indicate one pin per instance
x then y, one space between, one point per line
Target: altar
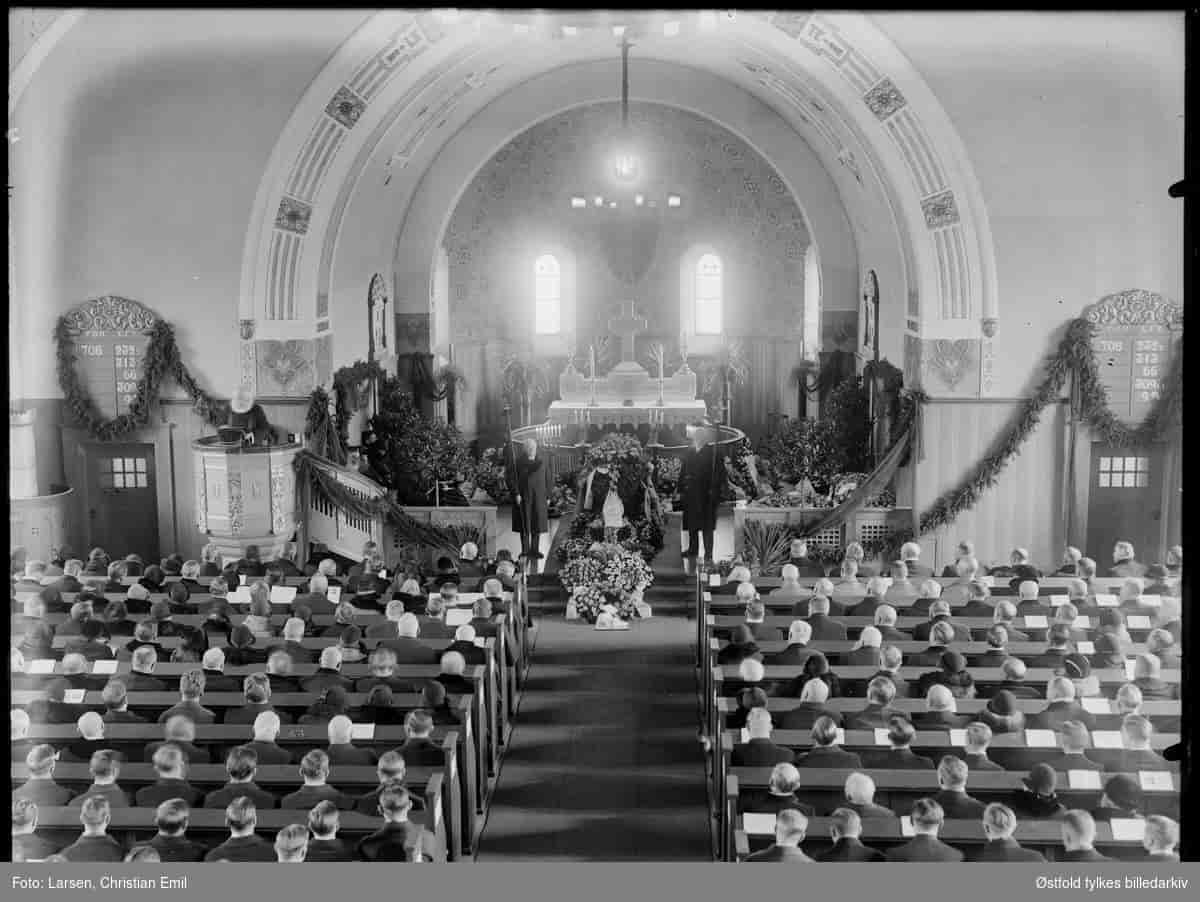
627 394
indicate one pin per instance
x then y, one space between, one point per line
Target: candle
662 356
591 361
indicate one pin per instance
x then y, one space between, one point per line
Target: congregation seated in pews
179 710
987 714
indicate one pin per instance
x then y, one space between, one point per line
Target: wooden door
1125 502
122 500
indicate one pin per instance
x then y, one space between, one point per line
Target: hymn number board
110 350
1135 343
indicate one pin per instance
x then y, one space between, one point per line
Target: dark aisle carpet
604 762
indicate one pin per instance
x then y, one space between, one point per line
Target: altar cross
627 325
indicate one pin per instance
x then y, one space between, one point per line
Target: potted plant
525 378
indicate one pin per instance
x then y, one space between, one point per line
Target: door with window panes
1125 501
122 500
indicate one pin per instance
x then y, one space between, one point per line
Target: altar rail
565 445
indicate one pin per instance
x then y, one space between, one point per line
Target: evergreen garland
1072 357
162 359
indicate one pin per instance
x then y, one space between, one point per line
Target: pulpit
245 495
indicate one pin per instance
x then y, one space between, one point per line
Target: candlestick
592 362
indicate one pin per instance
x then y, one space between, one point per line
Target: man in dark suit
900 756
756 613
453 675
215 680
192 686
180 732
256 689
399 839
1059 638
116 704
1136 731
807 567
1073 738
1014 680
1160 839
464 644
484 610
382 664
999 824
860 798
293 643
171 842
1078 837
266 731
94 844
845 827
341 751
825 751
952 778
91 642
978 604
1061 706
797 650
927 818
997 652
910 554
885 622
941 711
316 599
433 624
391 771
939 639
314 770
407 649
241 815
325 845
979 737
141 668
241 765
779 795
824 627
171 768
939 612
791 826
1147 676
876 590
759 750
890 661
877 714
812 707
419 749
40 788
329 673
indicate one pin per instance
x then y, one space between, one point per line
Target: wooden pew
282 779
824 789
208 825
1044 836
834 650
459 771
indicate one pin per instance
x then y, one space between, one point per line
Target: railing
340 532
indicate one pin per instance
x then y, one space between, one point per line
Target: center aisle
603 763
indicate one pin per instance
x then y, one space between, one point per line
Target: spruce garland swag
311 470
162 359
1072 357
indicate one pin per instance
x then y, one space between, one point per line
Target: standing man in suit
701 495
927 818
531 505
791 826
999 824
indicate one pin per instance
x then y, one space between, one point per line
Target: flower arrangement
563 495
606 574
491 475
615 450
666 475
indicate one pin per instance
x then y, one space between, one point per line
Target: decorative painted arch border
899 120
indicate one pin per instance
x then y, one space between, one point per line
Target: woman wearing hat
1001 713
351 645
953 675
1122 799
246 415
816 667
1078 669
1038 798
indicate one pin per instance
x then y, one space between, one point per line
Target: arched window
547 295
812 304
709 296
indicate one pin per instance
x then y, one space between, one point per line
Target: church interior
365 365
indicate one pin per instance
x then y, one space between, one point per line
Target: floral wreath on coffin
606 575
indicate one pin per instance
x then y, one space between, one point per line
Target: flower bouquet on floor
607 575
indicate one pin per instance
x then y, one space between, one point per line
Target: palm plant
722 373
767 546
525 378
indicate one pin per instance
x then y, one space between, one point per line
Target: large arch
372 124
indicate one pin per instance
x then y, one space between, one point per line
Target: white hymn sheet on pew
458 616
1138 622
41 665
1056 600
1150 601
758 824
906 826
1085 648
841 736
989 581
1036 620
242 595
480 642
73 696
1082 622
1107 739
282 594
334 594
1041 739
1130 666
1083 779
104 667
714 581
744 736
1106 600
958 738
1128 829
362 731
1156 779
708 596
1096 705
881 737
